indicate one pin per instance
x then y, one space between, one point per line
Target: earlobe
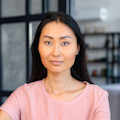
38 50
78 49
77 53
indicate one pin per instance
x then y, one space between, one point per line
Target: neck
58 83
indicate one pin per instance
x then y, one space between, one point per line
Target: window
18 22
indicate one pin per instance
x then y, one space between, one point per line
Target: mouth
56 63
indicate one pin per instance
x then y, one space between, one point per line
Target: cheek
43 51
43 56
71 52
70 56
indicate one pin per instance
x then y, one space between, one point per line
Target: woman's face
57 47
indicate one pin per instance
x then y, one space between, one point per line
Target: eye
65 43
48 43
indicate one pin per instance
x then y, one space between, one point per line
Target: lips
56 63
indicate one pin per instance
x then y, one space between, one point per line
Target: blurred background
99 21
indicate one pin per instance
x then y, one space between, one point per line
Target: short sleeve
11 106
102 109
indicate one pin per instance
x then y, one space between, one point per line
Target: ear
78 49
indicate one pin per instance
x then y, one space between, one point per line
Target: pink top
32 102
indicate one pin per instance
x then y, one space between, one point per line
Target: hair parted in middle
79 69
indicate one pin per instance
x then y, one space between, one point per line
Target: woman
60 87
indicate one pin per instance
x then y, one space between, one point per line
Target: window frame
63 5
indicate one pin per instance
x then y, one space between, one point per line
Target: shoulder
96 91
27 92
28 87
33 85
96 95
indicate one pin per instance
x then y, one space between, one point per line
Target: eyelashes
49 43
65 43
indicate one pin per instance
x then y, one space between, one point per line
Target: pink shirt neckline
66 102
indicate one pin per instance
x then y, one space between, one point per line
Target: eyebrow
50 37
47 36
63 37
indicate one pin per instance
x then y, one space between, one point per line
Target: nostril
56 51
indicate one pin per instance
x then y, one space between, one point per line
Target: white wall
112 24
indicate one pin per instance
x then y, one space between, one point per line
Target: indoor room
99 22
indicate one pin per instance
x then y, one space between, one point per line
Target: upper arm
4 116
102 110
12 106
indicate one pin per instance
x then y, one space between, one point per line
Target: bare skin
4 116
58 49
64 92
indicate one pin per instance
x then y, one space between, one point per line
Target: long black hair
79 69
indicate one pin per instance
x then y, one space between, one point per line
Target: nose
56 50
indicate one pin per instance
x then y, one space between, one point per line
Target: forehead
56 27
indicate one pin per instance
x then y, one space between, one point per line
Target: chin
55 71
58 71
